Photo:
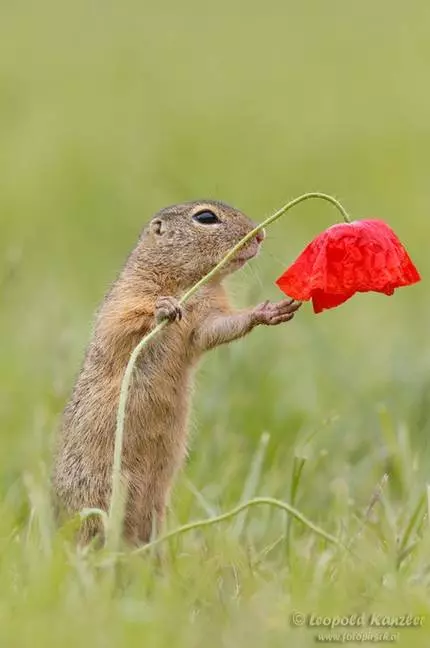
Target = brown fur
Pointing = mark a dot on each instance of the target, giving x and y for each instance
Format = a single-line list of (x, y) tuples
[(173, 252)]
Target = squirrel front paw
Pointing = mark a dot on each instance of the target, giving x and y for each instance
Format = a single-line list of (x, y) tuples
[(168, 308), (271, 314)]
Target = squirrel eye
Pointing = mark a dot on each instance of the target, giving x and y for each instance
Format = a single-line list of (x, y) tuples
[(206, 218)]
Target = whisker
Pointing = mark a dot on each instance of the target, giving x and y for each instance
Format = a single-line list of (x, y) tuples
[(282, 262), (256, 276)]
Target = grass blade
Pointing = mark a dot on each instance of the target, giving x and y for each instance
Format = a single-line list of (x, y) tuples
[(252, 481)]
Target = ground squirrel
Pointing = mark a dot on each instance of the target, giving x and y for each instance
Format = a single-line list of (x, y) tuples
[(179, 246)]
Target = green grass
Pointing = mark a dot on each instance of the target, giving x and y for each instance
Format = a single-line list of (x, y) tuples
[(110, 111)]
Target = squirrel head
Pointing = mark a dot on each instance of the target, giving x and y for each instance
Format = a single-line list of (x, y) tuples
[(187, 240)]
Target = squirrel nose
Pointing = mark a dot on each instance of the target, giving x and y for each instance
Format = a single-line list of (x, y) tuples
[(261, 235)]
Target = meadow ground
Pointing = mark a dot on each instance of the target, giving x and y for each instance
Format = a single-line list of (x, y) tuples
[(109, 111)]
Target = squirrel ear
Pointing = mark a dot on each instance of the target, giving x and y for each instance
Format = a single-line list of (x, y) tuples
[(157, 227)]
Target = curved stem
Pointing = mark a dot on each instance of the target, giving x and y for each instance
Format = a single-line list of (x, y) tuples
[(252, 233), (270, 501), (115, 502)]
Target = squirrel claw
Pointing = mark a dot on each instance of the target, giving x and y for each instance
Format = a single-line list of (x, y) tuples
[(168, 308)]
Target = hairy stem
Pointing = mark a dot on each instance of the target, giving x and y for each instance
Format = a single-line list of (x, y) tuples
[(117, 491), (269, 501)]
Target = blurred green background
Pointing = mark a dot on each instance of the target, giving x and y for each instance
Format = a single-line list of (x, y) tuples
[(110, 111)]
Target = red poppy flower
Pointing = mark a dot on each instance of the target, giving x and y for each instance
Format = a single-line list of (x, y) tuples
[(361, 256)]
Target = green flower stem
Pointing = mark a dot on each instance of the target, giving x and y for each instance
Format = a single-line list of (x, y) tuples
[(269, 501), (116, 497)]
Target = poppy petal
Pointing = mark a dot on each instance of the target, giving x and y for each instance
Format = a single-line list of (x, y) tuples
[(346, 258), (323, 301)]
